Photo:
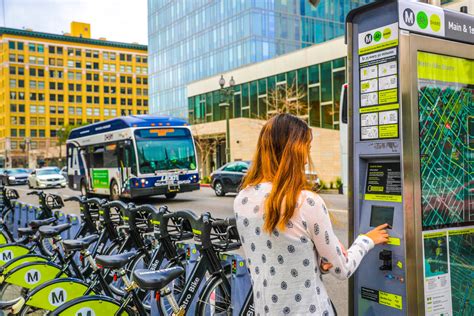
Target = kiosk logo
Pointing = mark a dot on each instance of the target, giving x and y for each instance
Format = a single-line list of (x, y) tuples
[(409, 17), (368, 38), (422, 20)]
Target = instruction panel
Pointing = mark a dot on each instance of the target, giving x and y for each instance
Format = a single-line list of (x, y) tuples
[(384, 182), (379, 107)]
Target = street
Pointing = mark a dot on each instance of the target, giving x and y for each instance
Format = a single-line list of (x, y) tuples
[(206, 201)]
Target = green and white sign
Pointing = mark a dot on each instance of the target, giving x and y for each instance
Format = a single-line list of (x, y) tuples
[(378, 39), (100, 179), (433, 20)]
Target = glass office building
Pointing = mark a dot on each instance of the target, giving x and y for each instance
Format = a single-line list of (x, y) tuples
[(192, 40), (314, 90)]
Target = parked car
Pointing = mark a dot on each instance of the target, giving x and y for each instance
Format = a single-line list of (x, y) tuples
[(48, 177), (229, 177), (14, 176)]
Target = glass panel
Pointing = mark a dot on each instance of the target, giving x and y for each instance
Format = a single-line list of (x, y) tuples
[(339, 78), (338, 63), (237, 105), (291, 78), (216, 111), (281, 77), (245, 97), (327, 116), (313, 74), (253, 99), (174, 150), (326, 82), (262, 86), (262, 108), (208, 103)]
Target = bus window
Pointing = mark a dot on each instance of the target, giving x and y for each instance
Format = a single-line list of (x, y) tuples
[(110, 156), (97, 157)]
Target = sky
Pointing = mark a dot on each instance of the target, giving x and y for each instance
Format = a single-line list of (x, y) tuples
[(116, 20)]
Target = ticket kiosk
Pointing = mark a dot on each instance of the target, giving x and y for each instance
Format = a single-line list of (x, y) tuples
[(411, 157)]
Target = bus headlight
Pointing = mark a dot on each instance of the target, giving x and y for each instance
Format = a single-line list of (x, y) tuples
[(142, 180)]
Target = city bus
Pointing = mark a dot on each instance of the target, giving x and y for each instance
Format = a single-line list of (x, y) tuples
[(133, 156)]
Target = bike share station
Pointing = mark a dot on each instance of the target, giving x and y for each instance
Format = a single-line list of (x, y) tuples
[(411, 157)]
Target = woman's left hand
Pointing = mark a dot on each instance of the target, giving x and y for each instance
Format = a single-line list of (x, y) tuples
[(325, 266)]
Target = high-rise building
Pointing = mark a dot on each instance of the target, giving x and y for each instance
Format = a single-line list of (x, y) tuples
[(50, 81), (192, 40)]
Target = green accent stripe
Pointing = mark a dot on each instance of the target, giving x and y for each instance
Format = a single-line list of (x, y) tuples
[(379, 108), (73, 39)]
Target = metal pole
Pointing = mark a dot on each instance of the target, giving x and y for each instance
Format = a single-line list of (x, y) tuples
[(227, 137)]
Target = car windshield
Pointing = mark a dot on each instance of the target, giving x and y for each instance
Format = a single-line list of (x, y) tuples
[(15, 171), (165, 149), (46, 172)]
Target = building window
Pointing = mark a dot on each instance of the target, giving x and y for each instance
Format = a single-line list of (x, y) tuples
[(13, 132)]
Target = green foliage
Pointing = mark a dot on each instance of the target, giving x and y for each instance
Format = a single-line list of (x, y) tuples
[(331, 185), (322, 185), (338, 182), (206, 180)]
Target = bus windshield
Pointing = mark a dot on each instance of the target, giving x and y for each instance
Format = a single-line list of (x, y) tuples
[(165, 149)]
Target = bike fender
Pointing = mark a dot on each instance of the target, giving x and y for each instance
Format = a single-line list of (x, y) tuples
[(3, 239), (32, 274), (52, 294), (89, 305), (11, 251), (10, 265)]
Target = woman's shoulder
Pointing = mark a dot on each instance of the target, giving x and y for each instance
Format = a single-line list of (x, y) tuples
[(309, 200)]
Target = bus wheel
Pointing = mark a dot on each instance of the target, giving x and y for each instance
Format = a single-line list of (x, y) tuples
[(171, 195), (83, 188), (114, 191)]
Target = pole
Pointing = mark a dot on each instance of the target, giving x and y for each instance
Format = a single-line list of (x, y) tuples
[(227, 137)]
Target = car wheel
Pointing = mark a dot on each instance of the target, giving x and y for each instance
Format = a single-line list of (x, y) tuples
[(219, 189), (171, 195), (114, 191), (83, 188)]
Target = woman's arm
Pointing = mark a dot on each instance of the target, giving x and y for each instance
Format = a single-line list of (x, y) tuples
[(314, 212)]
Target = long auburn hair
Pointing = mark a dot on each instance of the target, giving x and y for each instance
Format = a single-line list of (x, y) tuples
[(282, 152)]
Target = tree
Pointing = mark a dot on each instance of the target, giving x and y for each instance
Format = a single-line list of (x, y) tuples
[(205, 145), (63, 134), (287, 99)]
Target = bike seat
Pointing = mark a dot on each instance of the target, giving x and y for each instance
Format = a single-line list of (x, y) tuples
[(26, 231), (9, 304), (80, 244), (35, 224), (115, 261), (156, 280), (52, 231)]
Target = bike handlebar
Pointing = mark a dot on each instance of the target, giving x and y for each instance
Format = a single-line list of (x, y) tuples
[(229, 221), (74, 198)]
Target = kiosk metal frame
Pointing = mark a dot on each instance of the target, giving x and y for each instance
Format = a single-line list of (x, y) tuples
[(405, 148)]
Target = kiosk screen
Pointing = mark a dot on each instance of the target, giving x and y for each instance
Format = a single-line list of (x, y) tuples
[(446, 108), (380, 215)]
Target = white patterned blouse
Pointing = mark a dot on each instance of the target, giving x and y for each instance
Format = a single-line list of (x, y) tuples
[(284, 265)]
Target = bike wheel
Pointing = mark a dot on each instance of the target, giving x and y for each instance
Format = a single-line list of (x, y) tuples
[(213, 300), (31, 311), (10, 292)]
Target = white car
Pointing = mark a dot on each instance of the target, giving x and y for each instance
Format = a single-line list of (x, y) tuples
[(46, 178)]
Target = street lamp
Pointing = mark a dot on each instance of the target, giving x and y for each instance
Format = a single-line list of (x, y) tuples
[(229, 94)]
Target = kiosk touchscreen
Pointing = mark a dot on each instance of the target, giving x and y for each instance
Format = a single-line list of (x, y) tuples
[(411, 157)]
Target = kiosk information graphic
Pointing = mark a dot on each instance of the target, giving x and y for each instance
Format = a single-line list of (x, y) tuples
[(411, 157), (446, 92)]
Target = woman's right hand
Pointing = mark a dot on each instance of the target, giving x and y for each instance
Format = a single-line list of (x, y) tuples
[(379, 235)]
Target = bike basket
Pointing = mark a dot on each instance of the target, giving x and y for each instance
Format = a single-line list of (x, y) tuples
[(54, 202), (12, 194)]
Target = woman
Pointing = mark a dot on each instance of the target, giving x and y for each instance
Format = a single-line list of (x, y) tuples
[(285, 229)]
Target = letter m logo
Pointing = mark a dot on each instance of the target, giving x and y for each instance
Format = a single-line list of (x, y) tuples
[(7, 255), (409, 17)]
